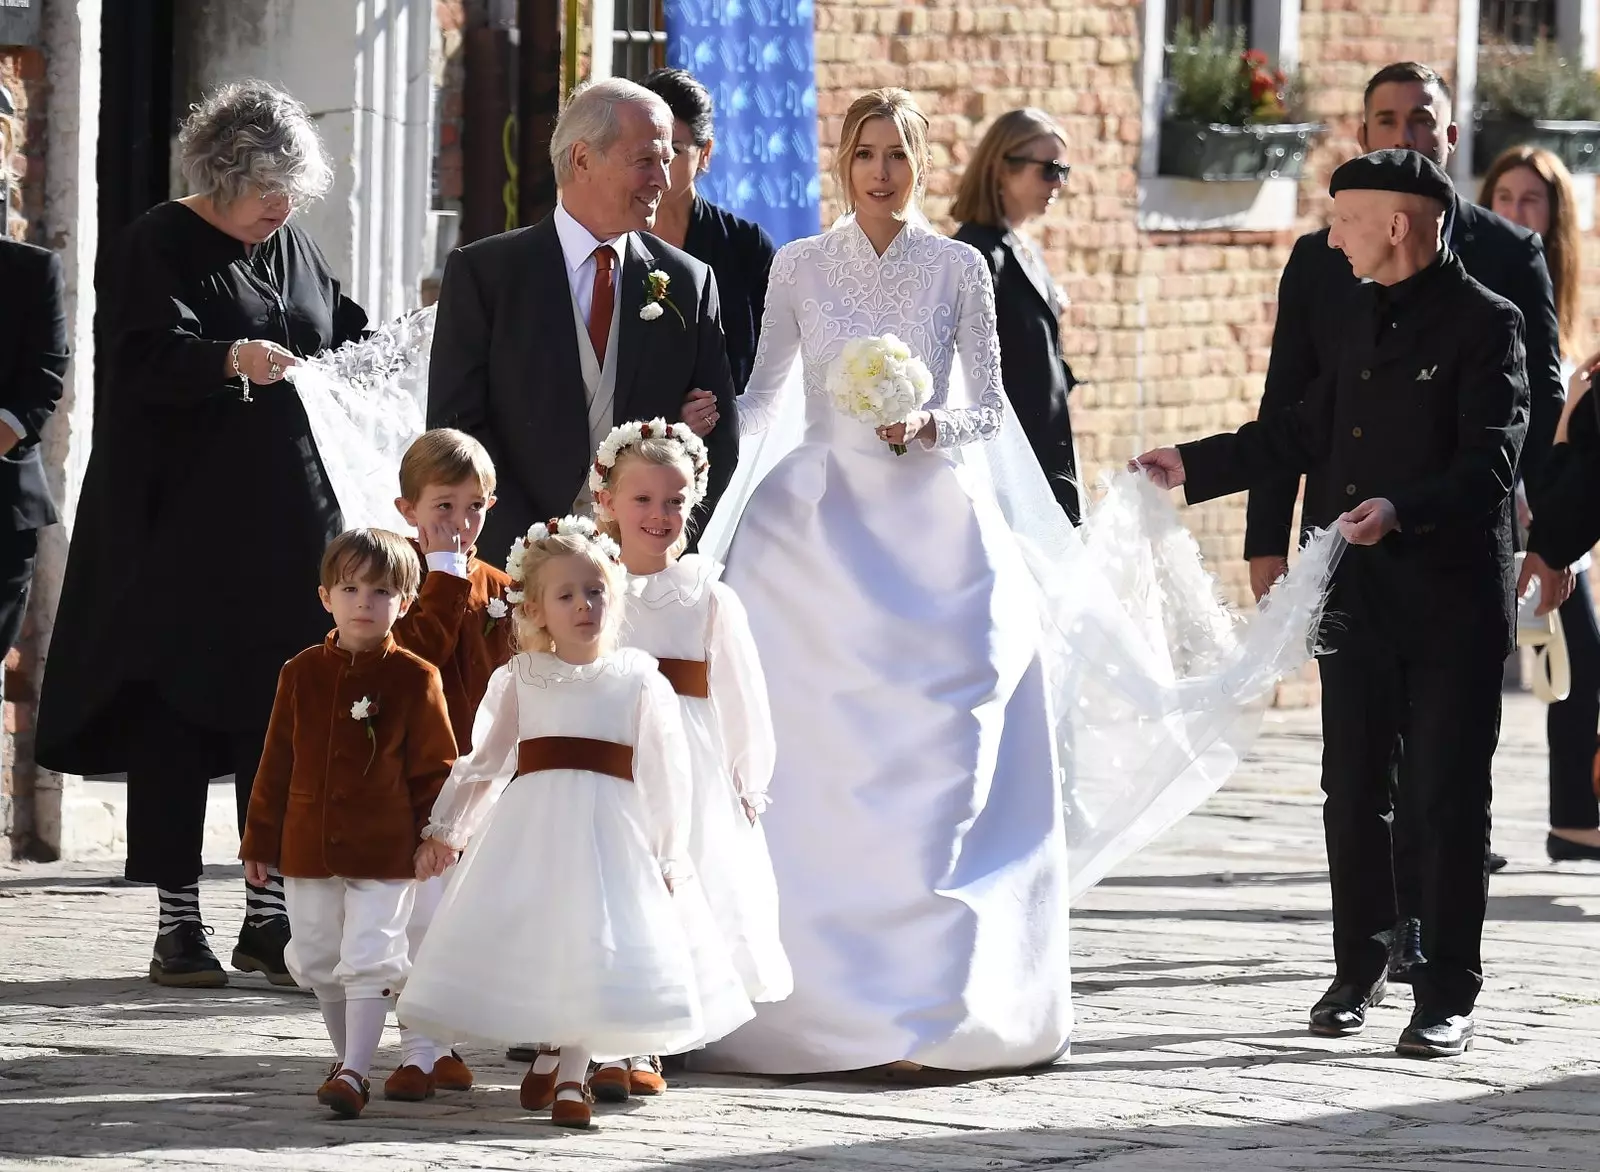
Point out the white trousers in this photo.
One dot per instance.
(347, 937)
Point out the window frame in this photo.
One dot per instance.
(607, 38)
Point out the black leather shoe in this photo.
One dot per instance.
(1343, 1008)
(1564, 850)
(1436, 1033)
(1497, 862)
(1405, 951)
(260, 949)
(184, 960)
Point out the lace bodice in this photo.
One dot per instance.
(931, 291)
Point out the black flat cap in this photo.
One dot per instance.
(1403, 171)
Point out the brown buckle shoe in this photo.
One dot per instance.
(452, 1074)
(341, 1098)
(610, 1084)
(538, 1090)
(572, 1112)
(409, 1084)
(646, 1082)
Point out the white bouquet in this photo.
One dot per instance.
(879, 381)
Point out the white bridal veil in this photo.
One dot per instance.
(1158, 685)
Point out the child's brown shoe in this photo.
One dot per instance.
(341, 1098)
(610, 1084)
(644, 1077)
(538, 1090)
(572, 1112)
(452, 1074)
(409, 1084)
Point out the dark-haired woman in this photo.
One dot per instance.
(739, 252)
(1015, 175)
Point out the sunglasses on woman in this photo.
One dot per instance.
(1052, 170)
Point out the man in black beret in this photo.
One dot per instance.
(1417, 422)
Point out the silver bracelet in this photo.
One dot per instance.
(233, 360)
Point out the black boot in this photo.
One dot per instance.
(1564, 850)
(1405, 951)
(1343, 1008)
(184, 960)
(260, 949)
(1435, 1032)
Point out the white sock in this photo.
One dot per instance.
(417, 1050)
(642, 1062)
(364, 1021)
(574, 1068)
(620, 1064)
(440, 1050)
(333, 1017)
(546, 1063)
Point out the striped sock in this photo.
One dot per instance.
(179, 905)
(266, 902)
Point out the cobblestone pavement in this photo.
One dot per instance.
(1195, 968)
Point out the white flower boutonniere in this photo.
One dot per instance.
(364, 710)
(497, 611)
(655, 297)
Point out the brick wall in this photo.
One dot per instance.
(22, 73)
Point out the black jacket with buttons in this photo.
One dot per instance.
(1426, 404)
(1314, 296)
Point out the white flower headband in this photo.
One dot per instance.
(630, 435)
(541, 532)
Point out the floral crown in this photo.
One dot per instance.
(542, 531)
(630, 435)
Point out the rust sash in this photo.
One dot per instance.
(688, 677)
(546, 753)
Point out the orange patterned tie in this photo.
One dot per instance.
(604, 300)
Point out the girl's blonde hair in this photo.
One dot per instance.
(532, 555)
(900, 108)
(978, 198)
(664, 453)
(1561, 248)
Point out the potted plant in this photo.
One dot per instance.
(1228, 116)
(1540, 98)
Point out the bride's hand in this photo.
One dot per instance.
(919, 425)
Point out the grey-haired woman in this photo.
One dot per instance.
(205, 508)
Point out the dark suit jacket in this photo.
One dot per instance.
(1314, 298)
(1567, 524)
(33, 364)
(1037, 377)
(740, 255)
(505, 368)
(1426, 405)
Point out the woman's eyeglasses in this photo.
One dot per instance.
(1053, 171)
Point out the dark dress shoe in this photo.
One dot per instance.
(1343, 1008)
(524, 1054)
(1564, 850)
(260, 949)
(1436, 1033)
(1405, 951)
(1497, 862)
(184, 960)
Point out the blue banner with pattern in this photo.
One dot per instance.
(758, 59)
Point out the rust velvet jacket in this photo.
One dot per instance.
(332, 800)
(449, 625)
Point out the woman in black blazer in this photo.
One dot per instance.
(738, 251)
(1015, 175)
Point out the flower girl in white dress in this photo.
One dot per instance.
(646, 480)
(573, 916)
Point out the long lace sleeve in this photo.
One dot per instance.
(661, 771)
(739, 698)
(777, 351)
(469, 792)
(978, 348)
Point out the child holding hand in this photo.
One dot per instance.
(357, 748)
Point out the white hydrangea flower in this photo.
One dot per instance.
(879, 381)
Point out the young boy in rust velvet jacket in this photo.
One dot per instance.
(357, 749)
(459, 623)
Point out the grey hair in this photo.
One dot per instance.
(592, 117)
(251, 137)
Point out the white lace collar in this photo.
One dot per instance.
(861, 245)
(543, 668)
(685, 581)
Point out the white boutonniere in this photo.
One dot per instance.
(655, 297)
(364, 710)
(497, 611)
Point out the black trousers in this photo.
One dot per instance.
(17, 552)
(1571, 726)
(1435, 727)
(171, 764)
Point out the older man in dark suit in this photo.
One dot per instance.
(548, 336)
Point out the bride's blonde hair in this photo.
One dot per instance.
(900, 108)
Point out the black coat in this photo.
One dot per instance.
(33, 363)
(740, 254)
(202, 521)
(1314, 296)
(1037, 377)
(1426, 405)
(1567, 524)
(505, 368)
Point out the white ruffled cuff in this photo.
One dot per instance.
(757, 801)
(446, 562)
(453, 838)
